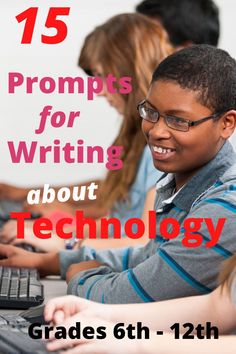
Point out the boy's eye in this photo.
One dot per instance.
(177, 121)
(153, 114)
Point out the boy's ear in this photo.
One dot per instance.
(228, 124)
(183, 45)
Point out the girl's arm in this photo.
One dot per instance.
(215, 307)
(165, 344)
(168, 345)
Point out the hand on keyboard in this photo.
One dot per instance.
(53, 244)
(46, 263)
(14, 257)
(8, 235)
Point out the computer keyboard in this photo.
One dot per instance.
(14, 338)
(20, 288)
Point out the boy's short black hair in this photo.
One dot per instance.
(185, 20)
(209, 71)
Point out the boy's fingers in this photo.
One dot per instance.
(6, 235)
(5, 251)
(27, 241)
(5, 263)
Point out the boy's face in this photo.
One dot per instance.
(187, 151)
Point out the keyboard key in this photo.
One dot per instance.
(15, 272)
(5, 286)
(33, 273)
(20, 288)
(14, 287)
(23, 291)
(35, 290)
(24, 272)
(6, 272)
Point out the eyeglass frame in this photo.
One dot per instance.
(189, 122)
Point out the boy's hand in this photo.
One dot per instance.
(47, 264)
(8, 235)
(52, 244)
(80, 267)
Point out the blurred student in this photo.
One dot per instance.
(187, 117)
(218, 307)
(186, 21)
(126, 45)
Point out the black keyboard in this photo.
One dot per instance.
(20, 288)
(14, 338)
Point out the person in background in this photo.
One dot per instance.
(126, 45)
(218, 307)
(187, 22)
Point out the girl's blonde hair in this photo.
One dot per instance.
(228, 271)
(126, 45)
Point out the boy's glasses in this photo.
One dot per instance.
(176, 123)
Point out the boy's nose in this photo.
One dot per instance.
(160, 130)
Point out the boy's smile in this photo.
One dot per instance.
(181, 152)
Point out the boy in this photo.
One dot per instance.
(188, 115)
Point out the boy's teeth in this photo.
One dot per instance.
(160, 150)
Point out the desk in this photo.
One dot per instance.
(53, 287)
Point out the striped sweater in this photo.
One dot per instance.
(165, 269)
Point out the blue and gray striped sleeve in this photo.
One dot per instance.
(162, 269)
(118, 259)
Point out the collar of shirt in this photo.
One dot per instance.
(198, 184)
(168, 179)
